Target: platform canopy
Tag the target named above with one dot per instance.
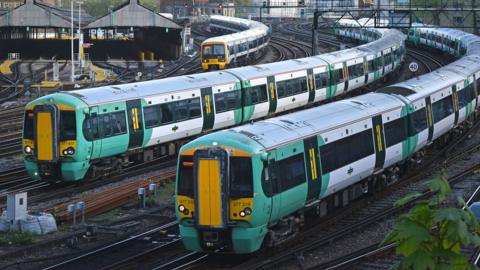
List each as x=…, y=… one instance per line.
x=31, y=14
x=133, y=14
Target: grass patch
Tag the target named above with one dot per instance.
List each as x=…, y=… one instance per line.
x=165, y=192
x=107, y=216
x=15, y=238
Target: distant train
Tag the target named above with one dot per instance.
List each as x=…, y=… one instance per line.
x=68, y=136
x=244, y=38
x=250, y=186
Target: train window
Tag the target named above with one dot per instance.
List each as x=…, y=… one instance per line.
x=356, y=70
x=119, y=125
x=68, y=125
x=213, y=50
x=234, y=100
x=291, y=171
x=194, y=108
x=181, y=110
x=166, y=112
x=151, y=116
x=258, y=94
x=321, y=80
x=338, y=77
x=442, y=108
x=465, y=95
x=28, y=125
x=419, y=119
x=185, y=176
x=241, y=177
x=90, y=128
x=371, y=66
x=345, y=151
x=107, y=126
x=220, y=104
x=395, y=131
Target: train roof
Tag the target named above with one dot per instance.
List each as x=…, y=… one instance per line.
x=110, y=94
x=251, y=72
x=276, y=132
x=255, y=30
x=465, y=66
x=425, y=85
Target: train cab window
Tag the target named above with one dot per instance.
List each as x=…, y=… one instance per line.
x=419, y=121
x=241, y=177
x=213, y=50
x=345, y=151
x=442, y=108
x=68, y=125
x=166, y=112
x=194, y=110
x=291, y=171
x=28, y=125
x=321, y=80
x=465, y=96
x=119, y=125
x=395, y=131
x=185, y=176
x=151, y=116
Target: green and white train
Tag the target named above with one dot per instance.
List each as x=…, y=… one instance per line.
x=251, y=185
x=70, y=135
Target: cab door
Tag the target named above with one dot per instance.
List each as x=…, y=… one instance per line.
x=96, y=146
x=276, y=198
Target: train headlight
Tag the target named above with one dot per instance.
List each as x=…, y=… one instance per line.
x=70, y=151
x=65, y=152
x=242, y=214
x=248, y=211
x=181, y=208
x=28, y=149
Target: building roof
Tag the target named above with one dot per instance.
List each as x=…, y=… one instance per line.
x=33, y=15
x=133, y=14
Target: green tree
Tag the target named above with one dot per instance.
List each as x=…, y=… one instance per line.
x=430, y=236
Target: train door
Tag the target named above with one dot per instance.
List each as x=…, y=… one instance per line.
x=207, y=107
x=272, y=94
x=455, y=103
x=96, y=142
x=428, y=102
x=135, y=123
x=311, y=86
x=314, y=175
x=377, y=124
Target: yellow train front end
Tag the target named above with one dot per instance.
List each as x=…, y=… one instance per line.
x=214, y=56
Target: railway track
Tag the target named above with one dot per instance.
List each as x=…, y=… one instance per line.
x=375, y=257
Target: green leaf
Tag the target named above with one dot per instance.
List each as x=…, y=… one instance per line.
x=419, y=260
x=406, y=248
x=449, y=214
x=410, y=229
x=439, y=184
x=407, y=199
x=391, y=237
